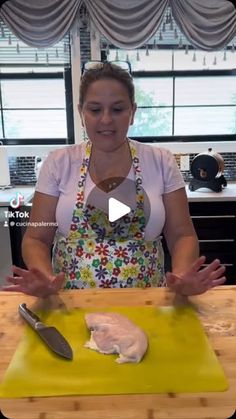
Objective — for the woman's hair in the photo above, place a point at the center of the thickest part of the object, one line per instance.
(106, 71)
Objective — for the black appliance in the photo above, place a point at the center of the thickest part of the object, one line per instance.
(207, 171)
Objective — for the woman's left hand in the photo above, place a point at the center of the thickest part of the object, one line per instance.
(195, 280)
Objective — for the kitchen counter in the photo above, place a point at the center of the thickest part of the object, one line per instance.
(216, 309)
(206, 195)
(7, 194)
(201, 195)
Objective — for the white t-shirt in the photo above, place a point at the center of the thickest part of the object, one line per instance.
(59, 177)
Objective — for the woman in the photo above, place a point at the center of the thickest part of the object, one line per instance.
(89, 251)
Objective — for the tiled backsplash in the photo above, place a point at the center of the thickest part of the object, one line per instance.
(229, 162)
(22, 168)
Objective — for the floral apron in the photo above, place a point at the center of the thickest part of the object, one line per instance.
(99, 253)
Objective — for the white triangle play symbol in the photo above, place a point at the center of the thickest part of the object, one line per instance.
(116, 209)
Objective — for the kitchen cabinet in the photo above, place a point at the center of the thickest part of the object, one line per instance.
(214, 218)
(215, 224)
(5, 247)
(17, 231)
(11, 234)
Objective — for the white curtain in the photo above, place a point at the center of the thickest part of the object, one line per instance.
(208, 24)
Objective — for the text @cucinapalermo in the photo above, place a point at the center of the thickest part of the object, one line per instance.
(32, 224)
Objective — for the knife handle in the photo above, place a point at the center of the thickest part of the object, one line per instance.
(30, 317)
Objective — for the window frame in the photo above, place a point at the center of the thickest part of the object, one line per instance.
(66, 75)
(184, 73)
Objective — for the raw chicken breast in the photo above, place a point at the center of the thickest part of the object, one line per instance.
(114, 333)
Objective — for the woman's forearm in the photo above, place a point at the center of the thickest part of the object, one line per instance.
(37, 254)
(184, 252)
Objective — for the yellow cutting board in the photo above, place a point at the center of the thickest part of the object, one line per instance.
(179, 358)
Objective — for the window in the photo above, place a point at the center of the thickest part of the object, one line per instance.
(35, 92)
(182, 93)
(205, 105)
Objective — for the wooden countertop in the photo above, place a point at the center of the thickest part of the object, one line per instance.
(217, 311)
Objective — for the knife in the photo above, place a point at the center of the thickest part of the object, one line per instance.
(51, 336)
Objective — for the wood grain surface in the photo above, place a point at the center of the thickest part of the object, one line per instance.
(217, 311)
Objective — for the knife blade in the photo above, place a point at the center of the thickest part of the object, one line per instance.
(50, 335)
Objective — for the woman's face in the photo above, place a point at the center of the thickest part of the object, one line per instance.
(107, 113)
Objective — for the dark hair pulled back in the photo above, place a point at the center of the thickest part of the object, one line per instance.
(106, 71)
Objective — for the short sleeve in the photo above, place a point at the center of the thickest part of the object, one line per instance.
(173, 179)
(48, 181)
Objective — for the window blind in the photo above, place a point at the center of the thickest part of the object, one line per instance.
(14, 52)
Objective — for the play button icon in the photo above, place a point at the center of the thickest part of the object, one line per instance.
(103, 207)
(116, 209)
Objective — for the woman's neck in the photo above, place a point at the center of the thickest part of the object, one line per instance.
(110, 164)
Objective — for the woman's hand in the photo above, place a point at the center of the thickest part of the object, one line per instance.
(195, 281)
(34, 282)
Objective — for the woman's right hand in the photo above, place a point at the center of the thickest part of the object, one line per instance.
(34, 282)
